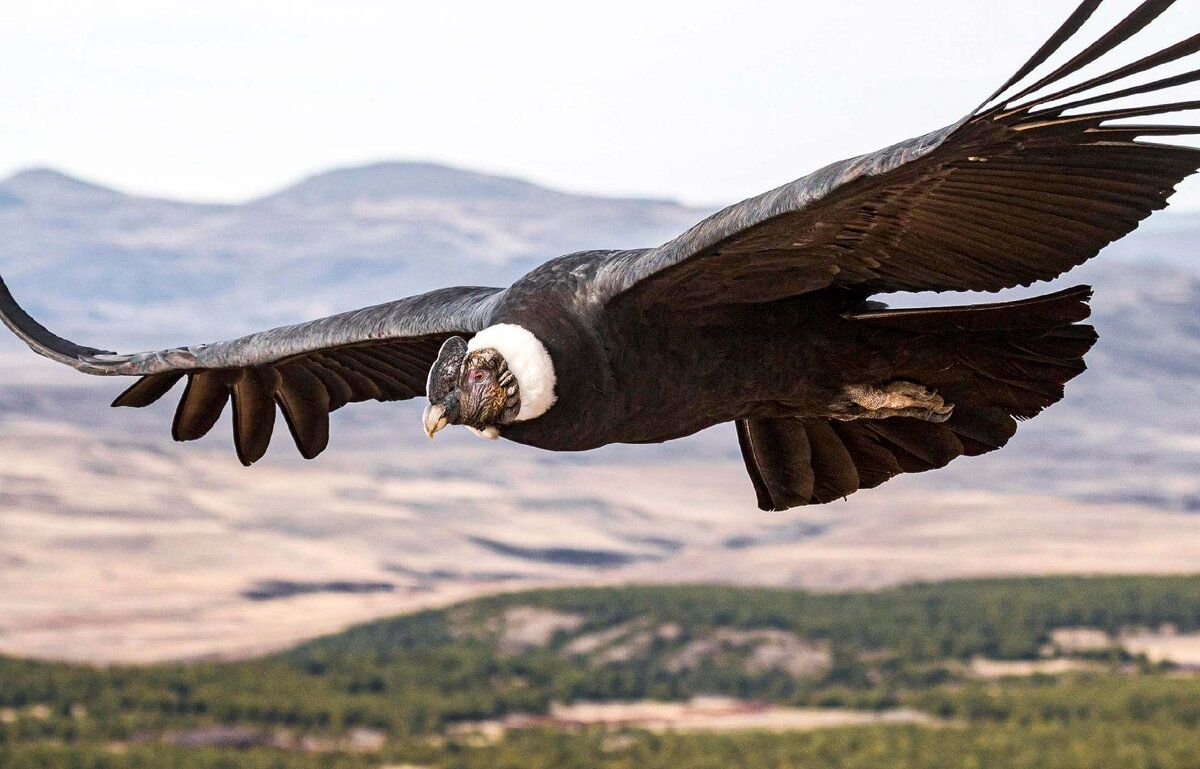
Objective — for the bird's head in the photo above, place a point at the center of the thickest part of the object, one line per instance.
(503, 375)
(471, 387)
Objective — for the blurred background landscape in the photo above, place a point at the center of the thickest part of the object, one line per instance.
(118, 546)
(173, 174)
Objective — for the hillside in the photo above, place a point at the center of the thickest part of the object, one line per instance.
(1063, 672)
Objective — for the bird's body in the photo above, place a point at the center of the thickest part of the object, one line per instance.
(790, 357)
(760, 315)
(724, 369)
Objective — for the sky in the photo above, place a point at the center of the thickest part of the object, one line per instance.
(704, 102)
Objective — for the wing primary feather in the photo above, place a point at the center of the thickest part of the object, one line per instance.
(254, 412)
(873, 460)
(305, 405)
(1166, 56)
(1136, 131)
(1064, 33)
(1055, 118)
(1137, 90)
(834, 472)
(1135, 22)
(203, 401)
(147, 390)
(746, 442)
(931, 443)
(981, 430)
(779, 459)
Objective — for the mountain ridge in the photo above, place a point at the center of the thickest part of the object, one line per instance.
(385, 178)
(338, 240)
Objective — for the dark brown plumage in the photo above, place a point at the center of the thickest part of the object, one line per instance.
(996, 363)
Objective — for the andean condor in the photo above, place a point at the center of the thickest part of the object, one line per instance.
(760, 314)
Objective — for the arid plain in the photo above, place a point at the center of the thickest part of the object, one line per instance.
(116, 547)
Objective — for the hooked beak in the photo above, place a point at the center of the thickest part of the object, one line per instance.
(434, 418)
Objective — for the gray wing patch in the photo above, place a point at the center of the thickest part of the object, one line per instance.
(446, 311)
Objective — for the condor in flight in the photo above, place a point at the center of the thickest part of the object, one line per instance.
(758, 315)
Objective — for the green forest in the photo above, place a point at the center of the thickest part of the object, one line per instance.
(407, 691)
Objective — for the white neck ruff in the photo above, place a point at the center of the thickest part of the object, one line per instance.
(528, 361)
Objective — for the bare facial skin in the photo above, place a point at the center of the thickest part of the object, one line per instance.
(485, 398)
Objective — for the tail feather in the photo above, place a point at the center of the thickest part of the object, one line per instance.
(996, 363)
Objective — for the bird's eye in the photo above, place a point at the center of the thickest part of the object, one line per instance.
(477, 375)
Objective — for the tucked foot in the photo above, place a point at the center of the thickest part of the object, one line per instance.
(895, 399)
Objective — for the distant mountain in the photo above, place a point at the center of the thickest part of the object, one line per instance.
(143, 271)
(389, 181)
(47, 186)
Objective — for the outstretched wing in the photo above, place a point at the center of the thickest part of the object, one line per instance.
(309, 370)
(1033, 183)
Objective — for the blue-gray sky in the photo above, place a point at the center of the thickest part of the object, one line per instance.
(702, 101)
